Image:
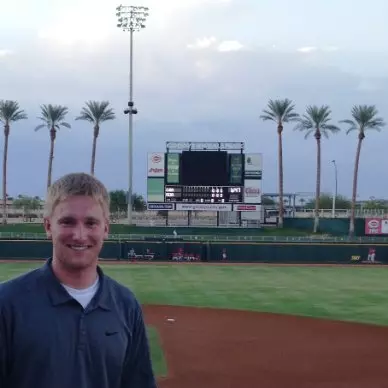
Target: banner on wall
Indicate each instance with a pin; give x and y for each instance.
(246, 208)
(160, 206)
(252, 191)
(253, 166)
(376, 226)
(220, 207)
(155, 165)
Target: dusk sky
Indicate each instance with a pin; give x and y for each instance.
(204, 71)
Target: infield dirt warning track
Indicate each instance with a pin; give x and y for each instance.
(213, 348)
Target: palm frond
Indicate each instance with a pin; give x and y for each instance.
(308, 133)
(268, 116)
(316, 119)
(53, 116)
(96, 112)
(64, 124)
(11, 112)
(280, 111)
(364, 118)
(40, 127)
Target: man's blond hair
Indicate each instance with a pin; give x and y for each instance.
(76, 184)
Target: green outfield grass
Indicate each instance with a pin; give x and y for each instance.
(344, 293)
(158, 361)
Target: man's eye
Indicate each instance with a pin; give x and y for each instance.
(66, 222)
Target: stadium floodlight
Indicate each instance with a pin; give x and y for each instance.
(131, 18)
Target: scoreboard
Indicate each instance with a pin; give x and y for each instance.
(208, 178)
(204, 194)
(204, 177)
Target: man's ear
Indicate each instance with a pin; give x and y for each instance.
(47, 226)
(106, 228)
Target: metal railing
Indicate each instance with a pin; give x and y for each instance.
(220, 237)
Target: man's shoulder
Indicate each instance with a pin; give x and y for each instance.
(17, 286)
(121, 293)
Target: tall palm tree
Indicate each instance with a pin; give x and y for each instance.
(53, 117)
(280, 111)
(316, 122)
(364, 118)
(96, 113)
(9, 113)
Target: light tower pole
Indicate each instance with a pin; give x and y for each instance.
(335, 188)
(131, 18)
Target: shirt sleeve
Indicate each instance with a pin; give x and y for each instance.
(138, 371)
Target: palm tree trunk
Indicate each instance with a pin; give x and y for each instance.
(5, 158)
(96, 131)
(280, 157)
(355, 178)
(51, 156)
(318, 183)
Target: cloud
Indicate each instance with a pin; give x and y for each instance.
(311, 49)
(230, 45)
(307, 49)
(5, 53)
(212, 42)
(202, 43)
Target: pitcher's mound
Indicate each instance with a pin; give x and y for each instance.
(208, 348)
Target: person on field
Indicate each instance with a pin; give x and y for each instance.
(372, 255)
(67, 324)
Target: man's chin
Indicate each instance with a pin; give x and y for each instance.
(80, 261)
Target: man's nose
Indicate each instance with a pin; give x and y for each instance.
(79, 232)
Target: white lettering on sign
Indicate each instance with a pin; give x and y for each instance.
(252, 191)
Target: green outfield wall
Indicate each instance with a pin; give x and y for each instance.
(333, 226)
(238, 252)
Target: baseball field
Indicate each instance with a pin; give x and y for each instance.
(259, 325)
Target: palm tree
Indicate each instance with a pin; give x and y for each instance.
(364, 118)
(96, 112)
(280, 111)
(316, 122)
(9, 113)
(53, 117)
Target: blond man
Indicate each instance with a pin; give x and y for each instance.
(67, 324)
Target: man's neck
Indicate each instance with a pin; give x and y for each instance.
(74, 278)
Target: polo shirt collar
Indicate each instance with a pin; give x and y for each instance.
(58, 295)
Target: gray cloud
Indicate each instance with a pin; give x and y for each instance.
(187, 94)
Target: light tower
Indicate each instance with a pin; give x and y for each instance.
(131, 18)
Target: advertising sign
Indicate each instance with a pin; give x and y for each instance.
(376, 226)
(160, 206)
(246, 208)
(252, 191)
(204, 207)
(155, 164)
(236, 169)
(172, 168)
(155, 189)
(253, 166)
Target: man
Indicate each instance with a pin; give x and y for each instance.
(67, 324)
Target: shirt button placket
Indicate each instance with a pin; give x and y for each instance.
(82, 333)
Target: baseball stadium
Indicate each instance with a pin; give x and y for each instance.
(231, 299)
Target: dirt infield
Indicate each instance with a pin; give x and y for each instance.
(210, 348)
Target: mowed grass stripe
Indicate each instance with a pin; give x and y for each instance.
(159, 364)
(351, 293)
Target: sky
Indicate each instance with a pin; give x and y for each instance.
(203, 71)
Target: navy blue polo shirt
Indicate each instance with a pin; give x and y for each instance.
(47, 340)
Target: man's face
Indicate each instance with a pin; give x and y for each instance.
(77, 227)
